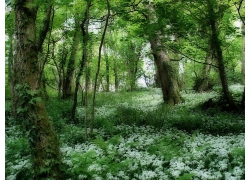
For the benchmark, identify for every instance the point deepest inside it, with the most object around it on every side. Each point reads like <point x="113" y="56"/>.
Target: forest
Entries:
<point x="125" y="89"/>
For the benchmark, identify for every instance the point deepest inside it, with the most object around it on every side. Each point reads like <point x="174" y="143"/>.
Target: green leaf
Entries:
<point x="37" y="99"/>
<point x="22" y="110"/>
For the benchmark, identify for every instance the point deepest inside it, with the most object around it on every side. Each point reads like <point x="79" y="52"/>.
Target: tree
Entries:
<point x="166" y="71"/>
<point x="67" y="83"/>
<point x="31" y="109"/>
<point x="216" y="45"/>
<point x="85" y="35"/>
<point x="98" y="68"/>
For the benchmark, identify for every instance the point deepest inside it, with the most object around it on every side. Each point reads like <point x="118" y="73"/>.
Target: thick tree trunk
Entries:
<point x="157" y="78"/>
<point x="67" y="85"/>
<point x="167" y="74"/>
<point x="215" y="42"/>
<point x="43" y="140"/>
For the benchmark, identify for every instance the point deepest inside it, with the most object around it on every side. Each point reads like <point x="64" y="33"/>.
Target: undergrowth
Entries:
<point x="136" y="136"/>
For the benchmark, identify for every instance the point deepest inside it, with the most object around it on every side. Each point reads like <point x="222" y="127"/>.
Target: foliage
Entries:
<point x="203" y="144"/>
<point x="136" y="136"/>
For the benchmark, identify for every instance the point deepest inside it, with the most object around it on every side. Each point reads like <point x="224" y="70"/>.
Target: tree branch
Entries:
<point x="238" y="10"/>
<point x="190" y="58"/>
<point x="45" y="29"/>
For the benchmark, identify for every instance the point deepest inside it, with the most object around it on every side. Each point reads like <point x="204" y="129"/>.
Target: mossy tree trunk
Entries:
<point x="216" y="44"/>
<point x="12" y="77"/>
<point x="84" y="29"/>
<point x="202" y="83"/>
<point x="67" y="84"/>
<point x="43" y="140"/>
<point x="167" y="75"/>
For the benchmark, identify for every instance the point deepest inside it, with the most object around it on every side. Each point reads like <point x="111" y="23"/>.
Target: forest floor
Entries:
<point x="136" y="136"/>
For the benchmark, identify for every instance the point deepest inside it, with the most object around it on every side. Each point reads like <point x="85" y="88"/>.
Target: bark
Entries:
<point x="45" y="152"/>
<point x="133" y="74"/>
<point x="84" y="28"/>
<point x="243" y="58"/>
<point x="12" y="78"/>
<point x="116" y="75"/>
<point x="98" y="68"/>
<point x="67" y="85"/>
<point x="87" y="79"/>
<point x="133" y="66"/>
<point x="202" y="83"/>
<point x="243" y="69"/>
<point x="216" y="44"/>
<point x="167" y="74"/>
<point x="105" y="51"/>
<point x="59" y="67"/>
<point x="157" y="78"/>
<point x="45" y="28"/>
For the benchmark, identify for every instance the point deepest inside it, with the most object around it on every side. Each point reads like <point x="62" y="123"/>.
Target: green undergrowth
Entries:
<point x="136" y="136"/>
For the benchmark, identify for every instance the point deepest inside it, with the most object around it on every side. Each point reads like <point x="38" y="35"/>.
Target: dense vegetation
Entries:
<point x="137" y="138"/>
<point x="125" y="89"/>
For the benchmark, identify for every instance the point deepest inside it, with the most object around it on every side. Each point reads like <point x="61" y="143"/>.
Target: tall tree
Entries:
<point x="166" y="71"/>
<point x="85" y="36"/>
<point x="98" y="67"/>
<point x="43" y="140"/>
<point x="67" y="84"/>
<point x="216" y="45"/>
<point x="105" y="50"/>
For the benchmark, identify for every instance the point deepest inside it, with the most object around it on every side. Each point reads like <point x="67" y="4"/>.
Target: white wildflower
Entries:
<point x="81" y="176"/>
<point x="238" y="171"/>
<point x="94" y="167"/>
<point x="176" y="173"/>
<point x="147" y="175"/>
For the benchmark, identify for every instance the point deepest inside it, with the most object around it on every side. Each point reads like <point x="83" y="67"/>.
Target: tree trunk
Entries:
<point x="157" y="78"/>
<point x="98" y="68"/>
<point x="42" y="138"/>
<point x="243" y="69"/>
<point x="202" y="83"/>
<point x="67" y="85"/>
<point x="116" y="75"/>
<point x="243" y="55"/>
<point x="215" y="43"/>
<point x="167" y="74"/>
<point x="107" y="67"/>
<point x="12" y="78"/>
<point x="84" y="28"/>
<point x="59" y="84"/>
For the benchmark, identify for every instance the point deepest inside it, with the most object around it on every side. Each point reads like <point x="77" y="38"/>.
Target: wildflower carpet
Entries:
<point x="138" y="137"/>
